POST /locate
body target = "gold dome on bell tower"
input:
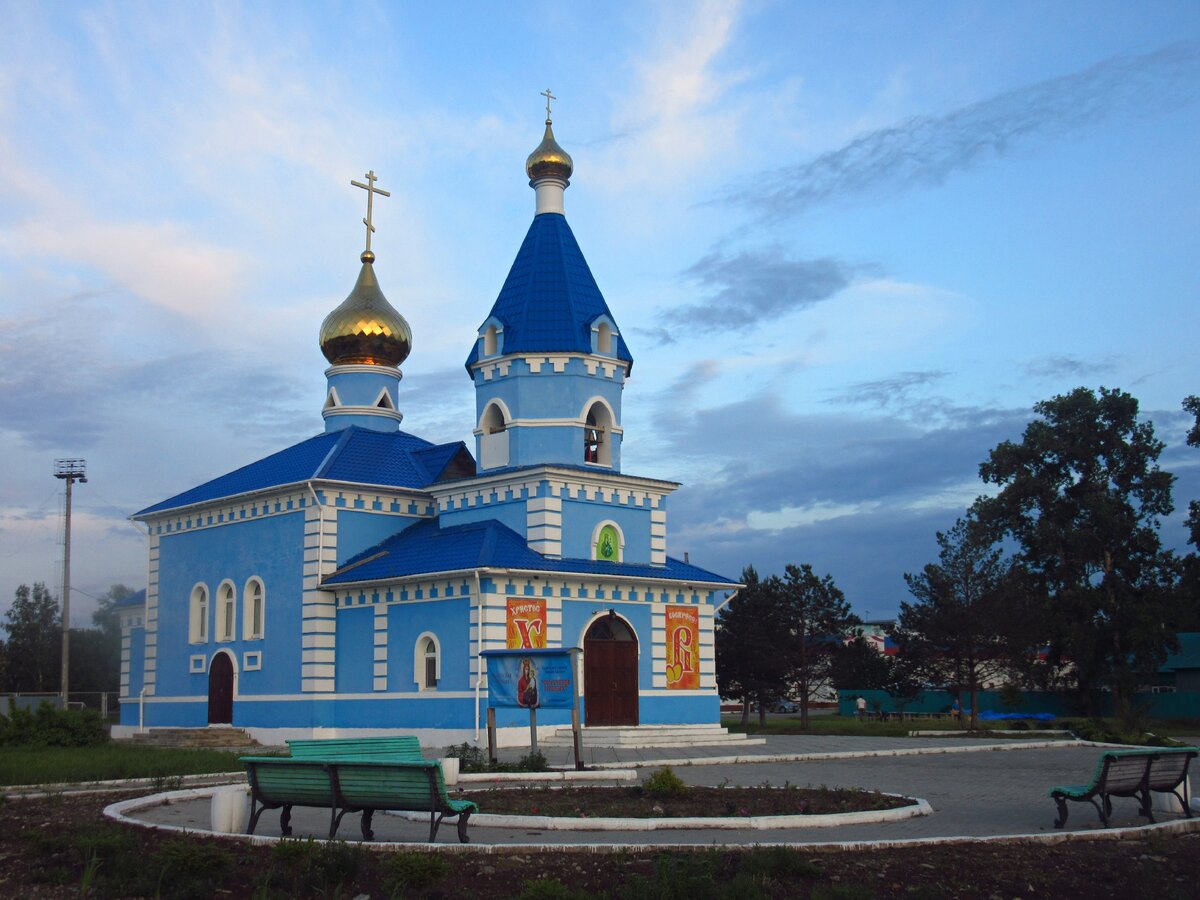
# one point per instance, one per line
(365, 329)
(548, 160)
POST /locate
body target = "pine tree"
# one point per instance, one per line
(34, 648)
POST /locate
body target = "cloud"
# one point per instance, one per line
(755, 286)
(1064, 365)
(885, 392)
(926, 150)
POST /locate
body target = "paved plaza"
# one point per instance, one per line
(974, 792)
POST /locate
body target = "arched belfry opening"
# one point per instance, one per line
(597, 435)
(493, 437)
(610, 673)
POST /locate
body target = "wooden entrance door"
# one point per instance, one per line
(220, 690)
(610, 674)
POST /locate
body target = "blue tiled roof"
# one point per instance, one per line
(550, 299)
(137, 598)
(426, 548)
(354, 454)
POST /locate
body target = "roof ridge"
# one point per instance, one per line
(338, 445)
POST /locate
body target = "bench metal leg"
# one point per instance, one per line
(462, 827)
(1061, 803)
(285, 821)
(256, 810)
(435, 819)
(367, 833)
(335, 820)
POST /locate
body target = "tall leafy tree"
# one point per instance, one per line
(34, 647)
(1189, 587)
(751, 648)
(1082, 496)
(817, 618)
(964, 626)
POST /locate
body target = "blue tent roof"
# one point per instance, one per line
(137, 598)
(426, 548)
(354, 454)
(550, 299)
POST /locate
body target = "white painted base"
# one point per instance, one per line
(230, 810)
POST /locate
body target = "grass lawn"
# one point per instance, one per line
(54, 765)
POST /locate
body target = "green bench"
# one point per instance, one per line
(402, 747)
(352, 785)
(1130, 773)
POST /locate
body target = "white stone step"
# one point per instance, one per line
(651, 736)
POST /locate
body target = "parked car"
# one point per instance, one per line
(785, 706)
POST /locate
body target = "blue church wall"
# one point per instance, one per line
(356, 649)
(358, 531)
(512, 513)
(449, 622)
(361, 388)
(271, 548)
(137, 674)
(580, 518)
(666, 710)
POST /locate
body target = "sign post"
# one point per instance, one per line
(529, 678)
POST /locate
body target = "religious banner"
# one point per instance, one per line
(526, 628)
(683, 647)
(532, 679)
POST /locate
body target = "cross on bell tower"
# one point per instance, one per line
(371, 190)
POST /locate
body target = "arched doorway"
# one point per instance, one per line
(220, 690)
(610, 674)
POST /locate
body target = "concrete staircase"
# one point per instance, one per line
(653, 736)
(234, 740)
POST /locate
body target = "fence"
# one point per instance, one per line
(104, 702)
(1184, 705)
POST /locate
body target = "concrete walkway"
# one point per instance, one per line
(974, 793)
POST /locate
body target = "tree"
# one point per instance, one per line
(964, 628)
(817, 618)
(34, 649)
(1189, 584)
(750, 645)
(1082, 496)
(859, 666)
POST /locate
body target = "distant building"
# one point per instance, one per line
(348, 584)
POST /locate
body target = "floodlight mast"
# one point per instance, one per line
(70, 471)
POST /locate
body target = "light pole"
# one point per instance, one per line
(70, 471)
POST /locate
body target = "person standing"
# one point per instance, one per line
(860, 707)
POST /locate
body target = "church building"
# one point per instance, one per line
(349, 584)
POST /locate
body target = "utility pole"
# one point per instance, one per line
(70, 471)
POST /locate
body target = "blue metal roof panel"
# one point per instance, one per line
(353, 454)
(550, 299)
(427, 548)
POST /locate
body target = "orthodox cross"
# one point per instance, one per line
(371, 190)
(549, 96)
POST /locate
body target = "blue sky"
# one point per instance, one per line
(849, 246)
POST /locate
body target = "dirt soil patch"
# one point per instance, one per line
(638, 803)
(64, 847)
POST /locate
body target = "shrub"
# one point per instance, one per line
(664, 783)
(471, 759)
(413, 871)
(51, 727)
(533, 762)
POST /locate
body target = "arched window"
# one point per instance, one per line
(604, 338)
(253, 610)
(597, 433)
(427, 662)
(198, 615)
(226, 604)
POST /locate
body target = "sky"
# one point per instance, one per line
(849, 245)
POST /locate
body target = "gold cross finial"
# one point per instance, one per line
(371, 190)
(549, 96)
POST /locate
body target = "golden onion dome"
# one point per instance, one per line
(365, 328)
(549, 160)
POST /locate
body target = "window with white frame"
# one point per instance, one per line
(226, 607)
(427, 662)
(198, 615)
(597, 432)
(253, 609)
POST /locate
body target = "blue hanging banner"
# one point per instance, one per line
(531, 679)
